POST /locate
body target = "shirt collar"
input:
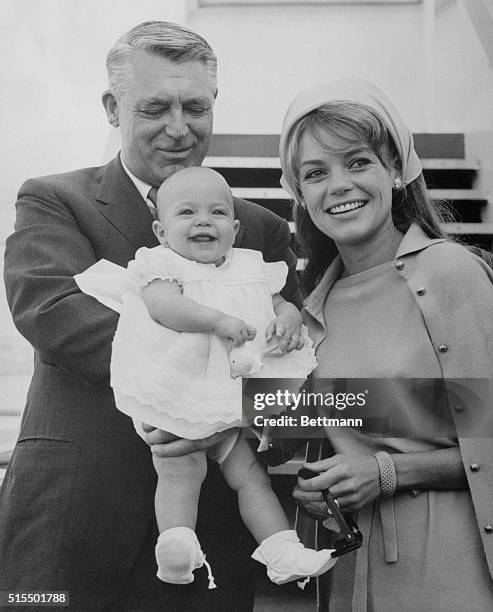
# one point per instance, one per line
(142, 188)
(414, 240)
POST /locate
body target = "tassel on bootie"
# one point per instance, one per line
(287, 559)
(178, 554)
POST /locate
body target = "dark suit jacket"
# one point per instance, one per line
(77, 500)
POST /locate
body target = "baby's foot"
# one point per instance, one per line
(178, 554)
(287, 559)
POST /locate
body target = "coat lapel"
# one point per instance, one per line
(122, 205)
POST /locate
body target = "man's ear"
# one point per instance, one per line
(111, 107)
(159, 232)
(236, 226)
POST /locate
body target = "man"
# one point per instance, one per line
(76, 512)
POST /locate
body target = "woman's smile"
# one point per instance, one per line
(345, 207)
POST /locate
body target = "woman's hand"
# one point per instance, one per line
(287, 331)
(165, 444)
(353, 480)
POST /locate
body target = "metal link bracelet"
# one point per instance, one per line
(388, 477)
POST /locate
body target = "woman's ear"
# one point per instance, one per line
(159, 232)
(397, 182)
(111, 107)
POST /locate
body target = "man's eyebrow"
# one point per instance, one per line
(155, 101)
(195, 100)
(158, 101)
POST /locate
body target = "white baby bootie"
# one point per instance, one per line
(287, 559)
(178, 554)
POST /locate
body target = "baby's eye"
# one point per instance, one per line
(219, 211)
(185, 211)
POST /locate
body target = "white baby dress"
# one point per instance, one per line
(177, 381)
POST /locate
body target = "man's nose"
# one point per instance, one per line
(176, 126)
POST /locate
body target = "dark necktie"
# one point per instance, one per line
(151, 200)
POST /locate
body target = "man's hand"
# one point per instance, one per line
(165, 444)
(234, 329)
(353, 480)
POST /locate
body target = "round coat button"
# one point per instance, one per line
(443, 348)
(420, 290)
(474, 467)
(488, 528)
(399, 265)
(459, 408)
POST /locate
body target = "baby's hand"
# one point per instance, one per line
(288, 330)
(234, 329)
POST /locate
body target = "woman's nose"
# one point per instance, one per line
(176, 126)
(340, 181)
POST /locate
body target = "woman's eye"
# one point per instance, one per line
(359, 162)
(313, 174)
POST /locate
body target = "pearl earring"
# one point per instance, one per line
(397, 182)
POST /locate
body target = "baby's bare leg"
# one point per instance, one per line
(178, 551)
(178, 489)
(280, 548)
(259, 507)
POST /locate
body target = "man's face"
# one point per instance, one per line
(165, 116)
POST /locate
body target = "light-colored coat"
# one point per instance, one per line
(453, 289)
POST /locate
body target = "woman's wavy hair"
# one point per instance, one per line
(351, 124)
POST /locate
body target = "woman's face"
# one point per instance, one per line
(348, 193)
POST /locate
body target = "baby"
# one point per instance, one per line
(187, 306)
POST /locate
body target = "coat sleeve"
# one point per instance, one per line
(67, 328)
(278, 249)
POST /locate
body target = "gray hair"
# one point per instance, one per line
(169, 40)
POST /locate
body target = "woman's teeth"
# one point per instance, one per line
(342, 208)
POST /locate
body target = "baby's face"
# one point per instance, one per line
(197, 223)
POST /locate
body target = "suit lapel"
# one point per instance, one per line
(122, 205)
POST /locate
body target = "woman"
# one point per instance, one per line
(392, 298)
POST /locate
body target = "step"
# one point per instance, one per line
(447, 146)
(277, 193)
(460, 229)
(450, 228)
(274, 163)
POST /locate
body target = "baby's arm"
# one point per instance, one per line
(286, 326)
(169, 307)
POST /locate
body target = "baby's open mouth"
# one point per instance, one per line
(203, 238)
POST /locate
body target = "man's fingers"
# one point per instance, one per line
(178, 448)
(158, 436)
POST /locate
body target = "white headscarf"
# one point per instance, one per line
(353, 90)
